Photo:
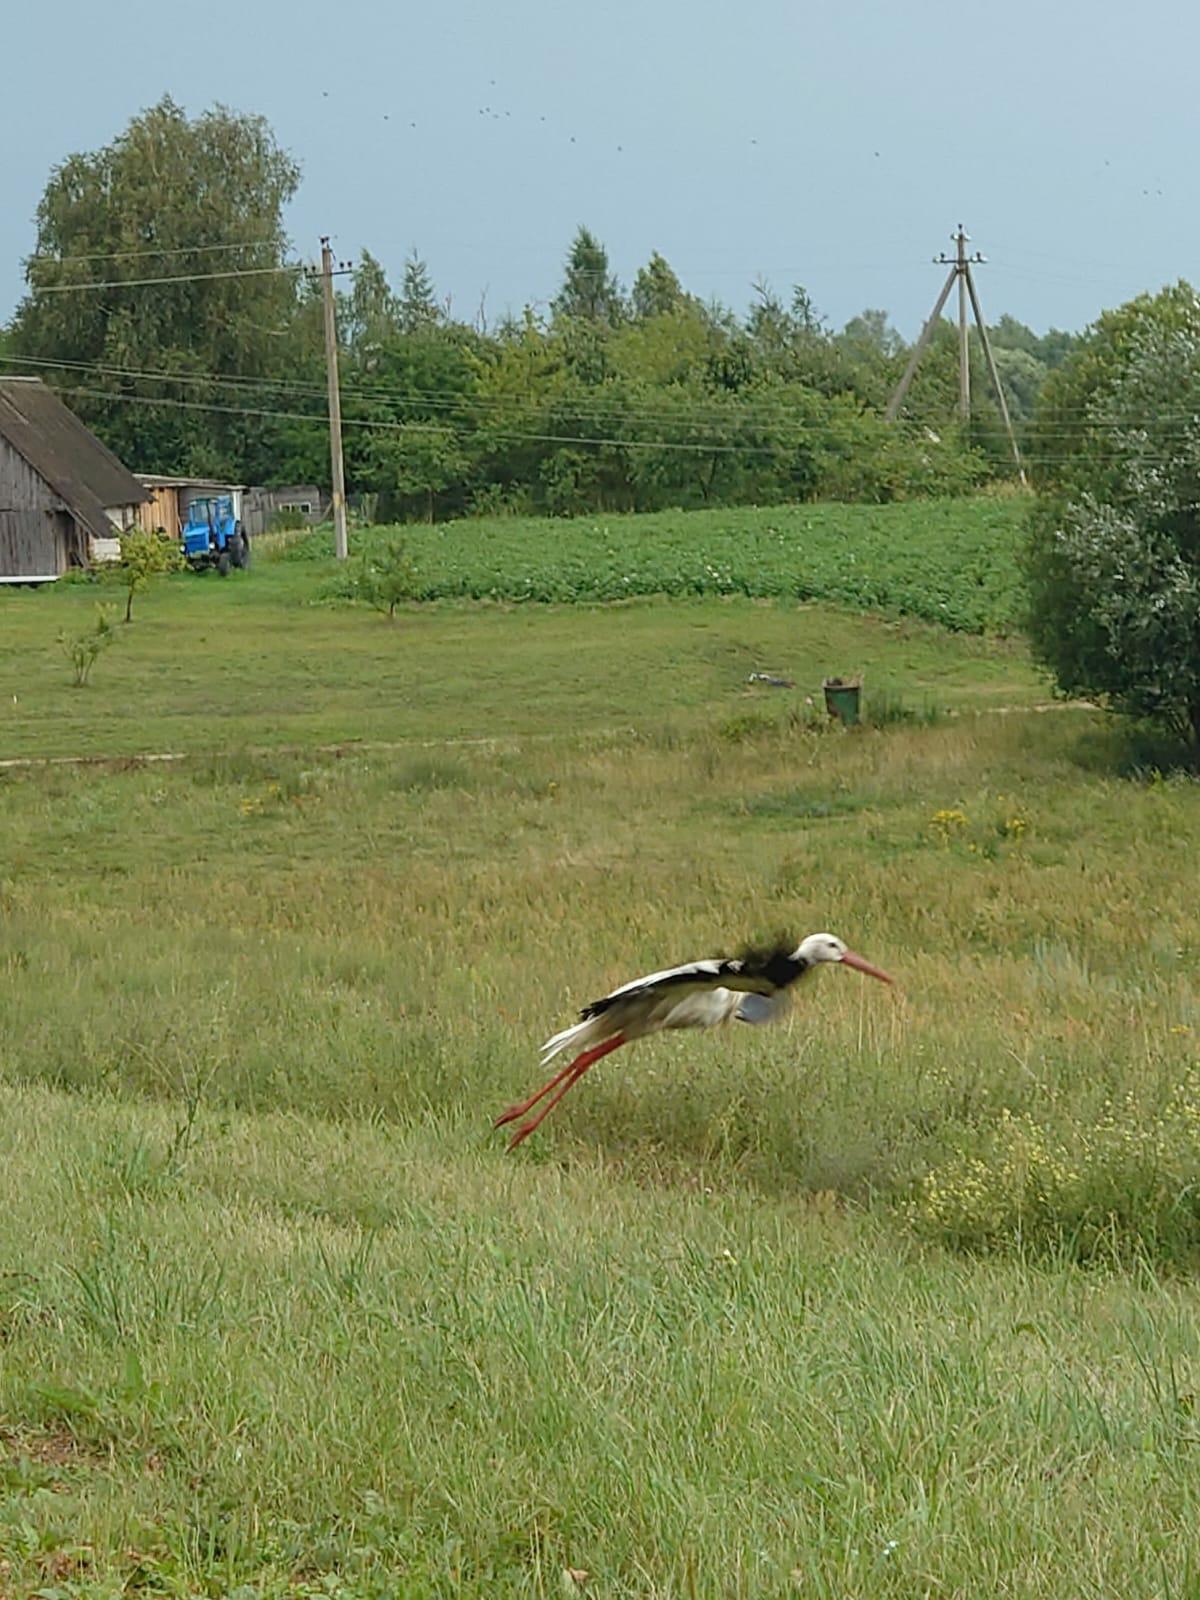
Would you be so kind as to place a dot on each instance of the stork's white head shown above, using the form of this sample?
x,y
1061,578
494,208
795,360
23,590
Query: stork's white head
x,y
820,947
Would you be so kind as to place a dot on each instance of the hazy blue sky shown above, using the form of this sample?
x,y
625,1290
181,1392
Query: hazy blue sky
x,y
831,144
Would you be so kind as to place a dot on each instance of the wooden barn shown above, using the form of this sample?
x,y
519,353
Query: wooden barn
x,y
64,496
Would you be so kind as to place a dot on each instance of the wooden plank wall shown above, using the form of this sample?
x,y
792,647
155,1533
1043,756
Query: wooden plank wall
x,y
160,511
33,528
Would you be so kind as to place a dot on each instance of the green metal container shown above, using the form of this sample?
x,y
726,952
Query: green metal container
x,y
843,700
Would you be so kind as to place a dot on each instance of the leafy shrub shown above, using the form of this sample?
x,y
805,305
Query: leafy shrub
x,y
287,520
501,500
144,555
1114,559
383,578
83,650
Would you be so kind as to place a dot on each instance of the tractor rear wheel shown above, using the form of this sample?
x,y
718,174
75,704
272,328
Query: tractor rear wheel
x,y
223,562
239,547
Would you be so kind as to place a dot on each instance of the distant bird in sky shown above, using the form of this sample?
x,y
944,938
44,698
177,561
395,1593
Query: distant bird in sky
x,y
703,994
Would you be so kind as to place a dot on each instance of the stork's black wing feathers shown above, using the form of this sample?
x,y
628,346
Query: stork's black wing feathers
x,y
763,972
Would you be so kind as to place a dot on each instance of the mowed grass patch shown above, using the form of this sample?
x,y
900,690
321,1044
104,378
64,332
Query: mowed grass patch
x,y
268,658
294,1358
204,668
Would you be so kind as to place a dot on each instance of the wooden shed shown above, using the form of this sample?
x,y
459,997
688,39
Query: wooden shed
x,y
64,496
260,506
168,499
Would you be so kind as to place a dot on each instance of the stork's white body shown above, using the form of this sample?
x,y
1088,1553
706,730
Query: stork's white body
x,y
644,1013
702,994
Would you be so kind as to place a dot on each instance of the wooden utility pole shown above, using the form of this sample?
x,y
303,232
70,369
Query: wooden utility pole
x,y
340,544
960,264
964,354
995,376
918,350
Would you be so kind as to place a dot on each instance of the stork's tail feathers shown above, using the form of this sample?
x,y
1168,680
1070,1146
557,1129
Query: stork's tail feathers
x,y
577,1037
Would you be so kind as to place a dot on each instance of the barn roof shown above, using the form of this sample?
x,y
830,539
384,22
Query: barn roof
x,y
70,458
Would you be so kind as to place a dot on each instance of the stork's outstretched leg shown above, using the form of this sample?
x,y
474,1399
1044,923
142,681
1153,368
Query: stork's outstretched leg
x,y
571,1073
523,1106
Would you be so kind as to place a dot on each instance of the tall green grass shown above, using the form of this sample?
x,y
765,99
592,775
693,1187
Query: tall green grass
x,y
256,662
390,935
370,1360
895,1298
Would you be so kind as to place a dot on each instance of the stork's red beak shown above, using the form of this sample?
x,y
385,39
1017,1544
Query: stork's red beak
x,y
859,965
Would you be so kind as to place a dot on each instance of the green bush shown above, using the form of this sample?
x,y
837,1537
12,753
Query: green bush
x,y
84,649
1114,555
383,577
287,520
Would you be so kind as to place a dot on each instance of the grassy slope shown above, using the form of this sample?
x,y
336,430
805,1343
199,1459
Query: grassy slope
x,y
208,665
700,1336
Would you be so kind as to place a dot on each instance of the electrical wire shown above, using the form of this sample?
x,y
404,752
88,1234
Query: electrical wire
x,y
160,250
763,409
1181,423
182,277
468,430
413,427
385,426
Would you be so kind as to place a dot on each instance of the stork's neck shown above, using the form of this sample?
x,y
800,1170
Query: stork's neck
x,y
780,968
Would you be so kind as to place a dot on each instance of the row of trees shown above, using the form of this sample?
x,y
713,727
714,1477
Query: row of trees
x,y
607,399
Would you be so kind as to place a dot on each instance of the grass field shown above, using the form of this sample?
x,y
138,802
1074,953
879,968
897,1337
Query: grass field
x,y
276,659
896,1299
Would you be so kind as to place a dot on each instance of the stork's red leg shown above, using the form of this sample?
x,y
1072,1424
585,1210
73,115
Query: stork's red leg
x,y
523,1106
572,1074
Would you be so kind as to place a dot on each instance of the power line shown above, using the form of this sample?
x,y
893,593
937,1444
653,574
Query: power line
x,y
159,250
762,409
177,277
381,425
1168,427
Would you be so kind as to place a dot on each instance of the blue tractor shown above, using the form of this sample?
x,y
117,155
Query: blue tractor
x,y
212,536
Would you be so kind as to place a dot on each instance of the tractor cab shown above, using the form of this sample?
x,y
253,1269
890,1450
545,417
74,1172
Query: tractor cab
x,y
211,534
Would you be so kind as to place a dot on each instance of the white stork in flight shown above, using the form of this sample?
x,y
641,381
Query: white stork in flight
x,y
703,994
